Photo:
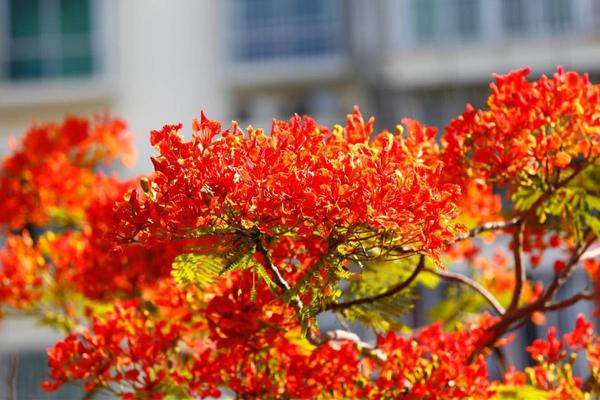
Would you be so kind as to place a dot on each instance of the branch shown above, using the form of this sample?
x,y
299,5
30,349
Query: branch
x,y
278,278
487,227
390,292
499,225
561,278
456,277
572,300
315,337
508,319
520,271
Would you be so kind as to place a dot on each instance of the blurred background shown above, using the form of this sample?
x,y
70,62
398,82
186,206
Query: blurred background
x,y
156,62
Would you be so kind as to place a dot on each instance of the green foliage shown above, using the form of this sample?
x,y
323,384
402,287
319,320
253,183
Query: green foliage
x,y
200,270
505,392
526,195
378,277
577,203
322,282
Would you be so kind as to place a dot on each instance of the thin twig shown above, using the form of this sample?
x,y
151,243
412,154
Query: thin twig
x,y
488,227
390,292
456,277
520,271
315,337
572,300
514,317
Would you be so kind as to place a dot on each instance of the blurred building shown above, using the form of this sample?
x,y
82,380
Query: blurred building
x,y
419,58
148,62
154,62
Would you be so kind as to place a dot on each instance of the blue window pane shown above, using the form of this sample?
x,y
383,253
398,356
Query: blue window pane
x,y
18,70
25,18
75,17
424,19
558,15
77,66
468,18
271,29
515,16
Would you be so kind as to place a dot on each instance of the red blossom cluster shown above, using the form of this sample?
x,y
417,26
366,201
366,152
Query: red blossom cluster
x,y
87,260
434,363
529,127
301,178
52,170
553,372
125,347
21,271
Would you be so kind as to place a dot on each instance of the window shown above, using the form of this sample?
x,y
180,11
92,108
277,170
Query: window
x,y
558,15
424,20
515,16
467,18
21,374
274,29
443,21
48,39
524,17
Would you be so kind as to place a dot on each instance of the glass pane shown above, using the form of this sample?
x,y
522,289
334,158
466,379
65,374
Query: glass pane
x,y
24,18
32,369
75,17
424,19
467,18
270,29
25,69
558,15
515,17
77,66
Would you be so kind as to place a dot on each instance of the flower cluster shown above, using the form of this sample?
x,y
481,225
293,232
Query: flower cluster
x,y
125,352
553,372
21,271
528,127
210,273
52,171
301,178
434,363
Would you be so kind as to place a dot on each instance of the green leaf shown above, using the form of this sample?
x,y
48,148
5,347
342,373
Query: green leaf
x,y
262,272
593,202
378,277
525,197
594,223
239,261
200,270
505,392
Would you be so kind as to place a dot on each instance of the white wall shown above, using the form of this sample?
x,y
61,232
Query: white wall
x,y
164,65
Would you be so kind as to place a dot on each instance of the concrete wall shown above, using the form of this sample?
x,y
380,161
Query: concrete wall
x,y
163,65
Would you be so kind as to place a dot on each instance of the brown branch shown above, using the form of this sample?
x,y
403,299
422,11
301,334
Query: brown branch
x,y
488,227
520,271
390,292
315,337
456,277
500,225
572,300
514,317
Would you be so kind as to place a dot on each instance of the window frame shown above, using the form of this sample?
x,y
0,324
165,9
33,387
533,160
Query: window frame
x,y
99,85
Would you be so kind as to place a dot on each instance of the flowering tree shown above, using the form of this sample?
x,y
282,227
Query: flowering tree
x,y
209,274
